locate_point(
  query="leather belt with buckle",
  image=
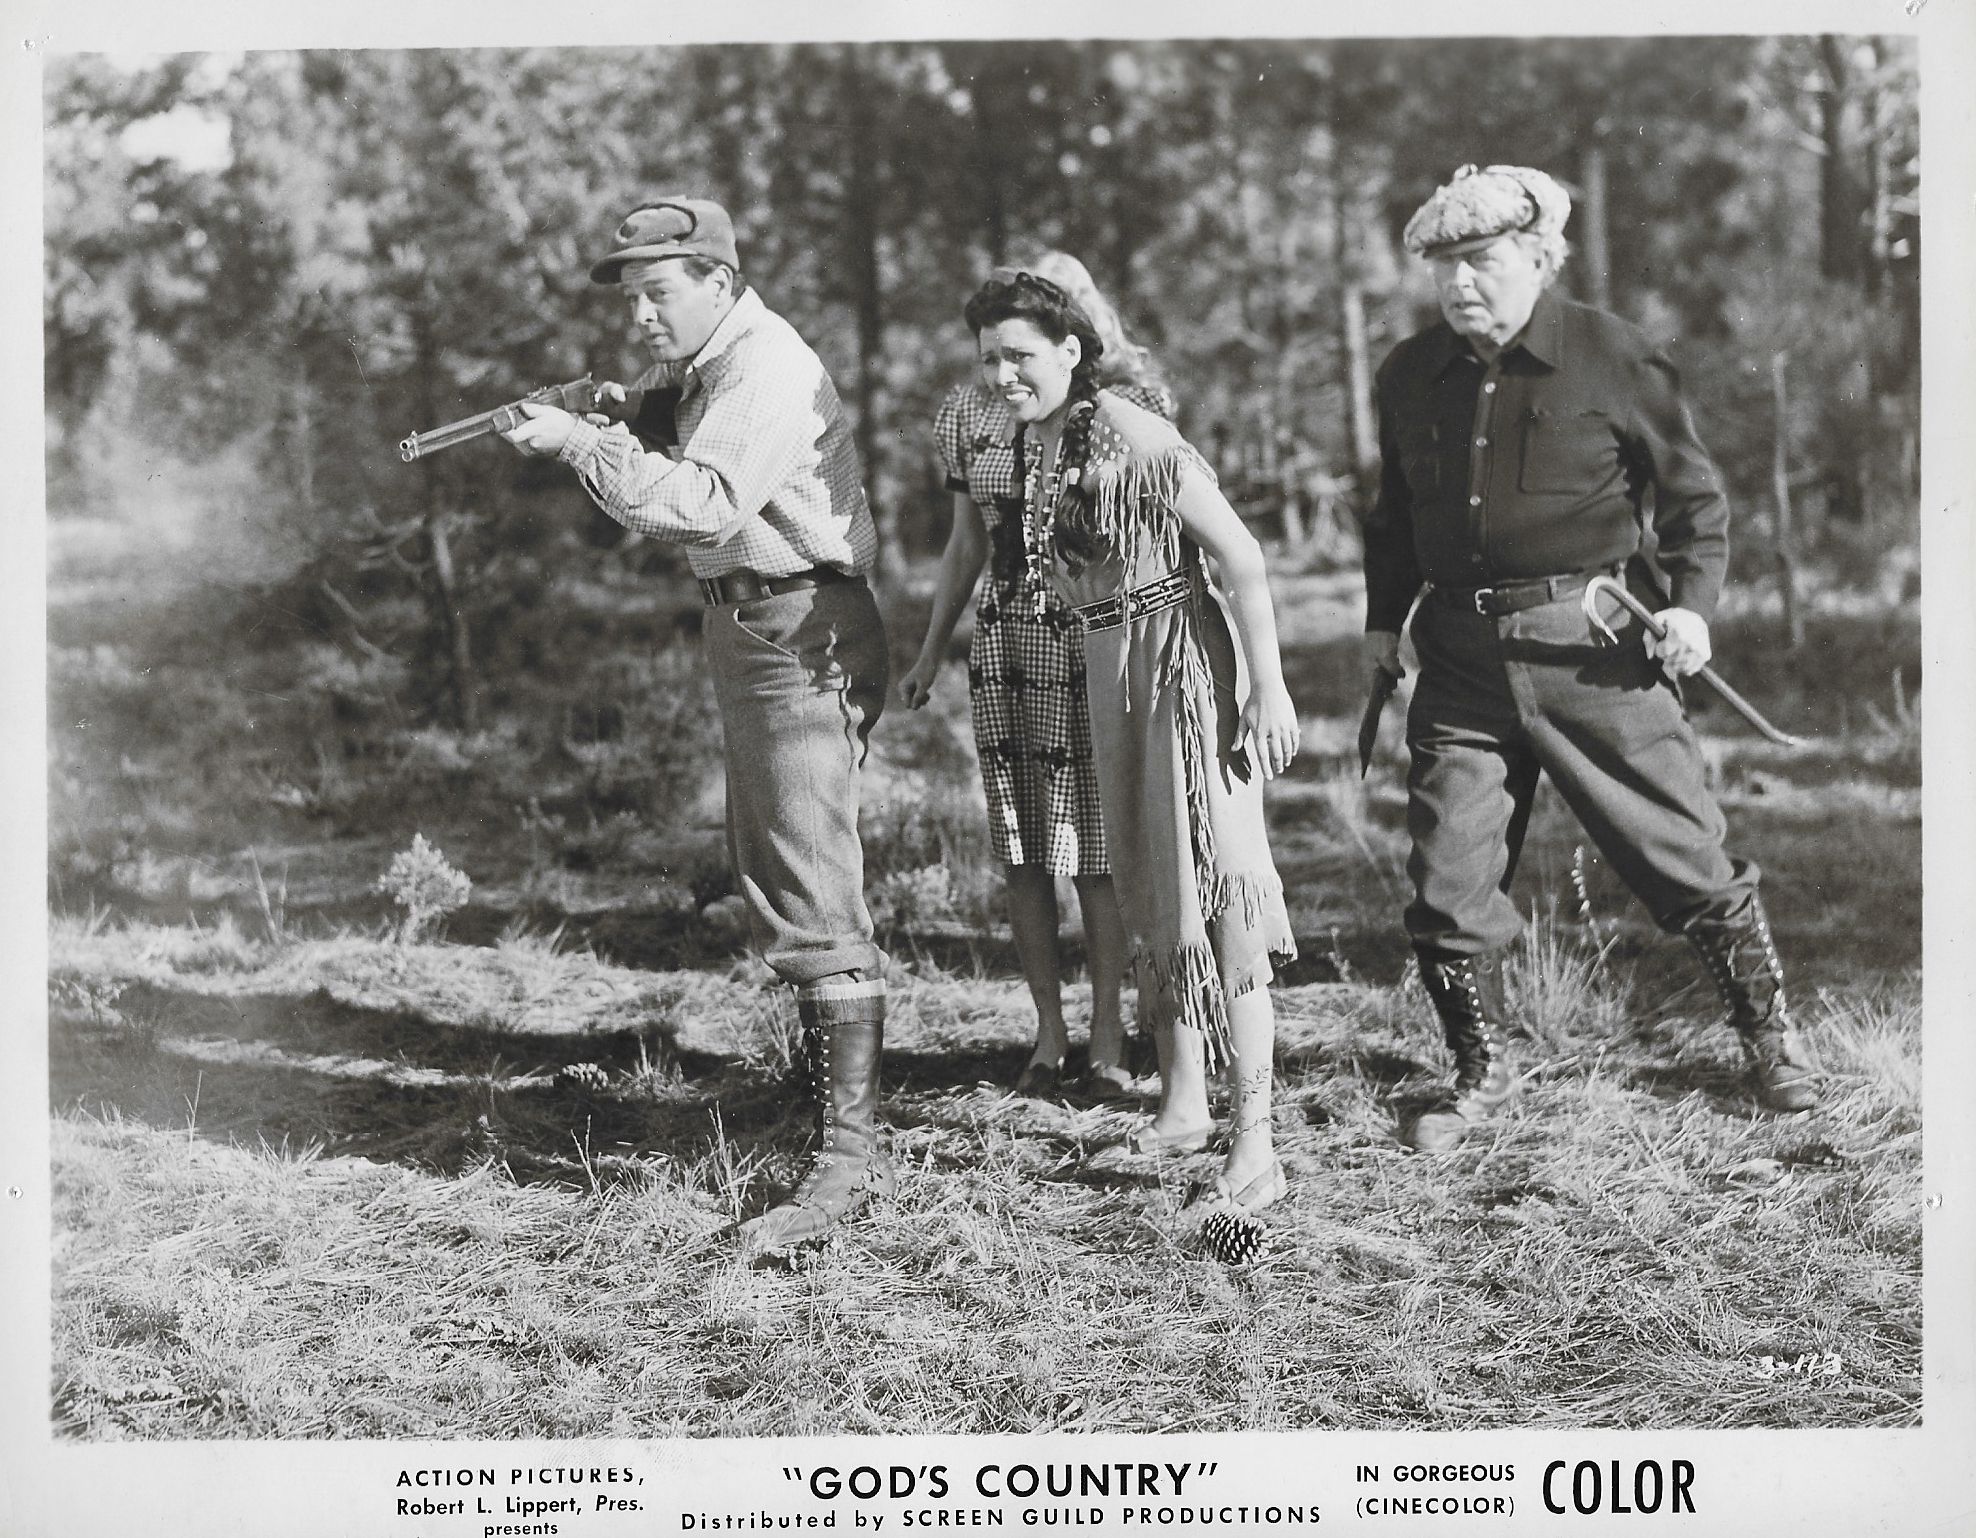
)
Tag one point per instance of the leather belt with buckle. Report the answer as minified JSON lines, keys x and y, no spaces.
{"x":1514,"y":597}
{"x":746,"y":586}
{"x":1160,"y":593}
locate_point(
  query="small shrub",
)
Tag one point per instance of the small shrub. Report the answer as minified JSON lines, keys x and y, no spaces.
{"x":151,"y":876}
{"x":358,"y":687}
{"x":420,"y":881}
{"x":921,"y":825}
{"x":434,"y":752}
{"x":608,"y":841}
{"x":544,"y":831}
{"x":95,"y":997}
{"x":909,"y":898}
{"x":223,"y":948}
{"x":125,"y":1031}
{"x":644,"y":734}
{"x":1562,"y":986}
{"x":708,"y":875}
{"x":1896,"y":731}
{"x":328,"y":789}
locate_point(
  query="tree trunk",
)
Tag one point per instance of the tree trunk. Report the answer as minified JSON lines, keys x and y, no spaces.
{"x":1296,"y":528}
{"x":1230,"y":131}
{"x":861,"y":226}
{"x":1839,"y":203}
{"x":304,"y":437}
{"x":1593,"y":226}
{"x":466,"y":687}
{"x":1879,"y":214}
{"x":442,"y":586}
{"x":1364,"y":431}
{"x":1780,"y":485}
{"x":988,"y":163}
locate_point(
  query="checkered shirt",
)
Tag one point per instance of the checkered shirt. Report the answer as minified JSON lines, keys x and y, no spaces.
{"x":765,"y":477}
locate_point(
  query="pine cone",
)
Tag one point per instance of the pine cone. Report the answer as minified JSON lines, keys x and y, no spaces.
{"x":1233,"y":1238}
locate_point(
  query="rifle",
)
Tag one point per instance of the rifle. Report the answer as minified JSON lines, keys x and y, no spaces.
{"x":576,"y":397}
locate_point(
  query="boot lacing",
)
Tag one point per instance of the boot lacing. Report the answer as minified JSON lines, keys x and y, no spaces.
{"x":1475,"y":1051}
{"x":826,"y":1116}
{"x":805,"y":1194}
{"x":1722,"y":950}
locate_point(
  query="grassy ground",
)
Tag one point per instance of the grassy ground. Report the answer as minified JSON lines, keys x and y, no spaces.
{"x":313,"y":1179}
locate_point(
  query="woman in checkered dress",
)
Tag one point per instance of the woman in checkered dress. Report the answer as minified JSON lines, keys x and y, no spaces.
{"x":1189,"y":716}
{"x":1032,"y":730}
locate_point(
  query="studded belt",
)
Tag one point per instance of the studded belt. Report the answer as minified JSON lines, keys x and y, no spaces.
{"x":1149,"y":598}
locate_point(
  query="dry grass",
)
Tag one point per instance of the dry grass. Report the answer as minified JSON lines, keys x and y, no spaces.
{"x":312,"y":1182}
{"x":358,"y":1222}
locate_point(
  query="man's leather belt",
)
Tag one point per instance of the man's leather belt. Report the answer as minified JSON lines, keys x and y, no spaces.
{"x":1160,"y":593}
{"x":1514,"y":597}
{"x":746,"y":586}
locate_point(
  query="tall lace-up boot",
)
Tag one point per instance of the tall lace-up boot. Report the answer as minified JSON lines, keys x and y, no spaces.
{"x":1468,"y":996}
{"x":843,"y":1025}
{"x":1741,"y":958}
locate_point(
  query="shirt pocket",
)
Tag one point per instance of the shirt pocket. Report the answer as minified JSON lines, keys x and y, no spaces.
{"x":1566,"y":451}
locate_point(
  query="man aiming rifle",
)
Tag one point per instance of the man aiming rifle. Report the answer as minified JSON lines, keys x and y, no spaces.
{"x":760,"y":485}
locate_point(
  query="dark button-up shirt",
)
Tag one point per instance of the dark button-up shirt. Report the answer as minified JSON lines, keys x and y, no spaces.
{"x":1550,"y":460}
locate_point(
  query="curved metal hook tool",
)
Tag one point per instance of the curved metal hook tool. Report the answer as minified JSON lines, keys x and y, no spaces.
{"x":1602,"y":633}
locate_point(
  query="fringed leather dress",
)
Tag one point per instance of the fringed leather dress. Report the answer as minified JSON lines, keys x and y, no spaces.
{"x":1182,"y":805}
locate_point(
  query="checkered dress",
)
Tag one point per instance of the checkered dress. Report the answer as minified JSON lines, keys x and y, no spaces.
{"x":1025,"y":667}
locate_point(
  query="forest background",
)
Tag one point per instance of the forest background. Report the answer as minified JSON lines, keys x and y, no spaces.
{"x":394,"y":957}
{"x":392,"y":240}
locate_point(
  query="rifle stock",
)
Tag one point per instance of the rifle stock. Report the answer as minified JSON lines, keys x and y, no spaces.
{"x":577,"y":397}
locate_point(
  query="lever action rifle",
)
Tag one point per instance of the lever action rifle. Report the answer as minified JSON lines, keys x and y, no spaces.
{"x":577,"y":397}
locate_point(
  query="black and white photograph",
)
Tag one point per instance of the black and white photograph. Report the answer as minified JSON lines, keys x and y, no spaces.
{"x":1073,"y":769}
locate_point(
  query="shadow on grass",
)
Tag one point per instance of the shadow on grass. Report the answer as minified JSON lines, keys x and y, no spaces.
{"x":393,"y":1086}
{"x":1375,"y":1065}
{"x":1375,"y":949}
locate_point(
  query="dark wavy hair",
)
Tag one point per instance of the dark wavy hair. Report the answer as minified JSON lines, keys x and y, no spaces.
{"x":1013,"y":295}
{"x":1125,"y":361}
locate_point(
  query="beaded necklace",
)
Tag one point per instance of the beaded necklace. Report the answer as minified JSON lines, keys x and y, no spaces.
{"x":1042,"y":492}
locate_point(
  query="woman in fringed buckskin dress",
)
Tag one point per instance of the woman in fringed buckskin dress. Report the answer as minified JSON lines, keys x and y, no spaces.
{"x":1032,"y":731}
{"x":1122,"y":514}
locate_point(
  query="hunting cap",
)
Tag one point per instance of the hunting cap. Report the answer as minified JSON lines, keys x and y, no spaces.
{"x":670,"y":227}
{"x":1478,"y":206}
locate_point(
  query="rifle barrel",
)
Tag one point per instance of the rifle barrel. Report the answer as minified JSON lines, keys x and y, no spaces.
{"x":578,"y":396}
{"x":466,"y":428}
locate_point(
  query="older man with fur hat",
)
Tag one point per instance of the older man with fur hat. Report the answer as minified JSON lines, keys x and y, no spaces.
{"x":756,"y":478}
{"x":1526,"y":443}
